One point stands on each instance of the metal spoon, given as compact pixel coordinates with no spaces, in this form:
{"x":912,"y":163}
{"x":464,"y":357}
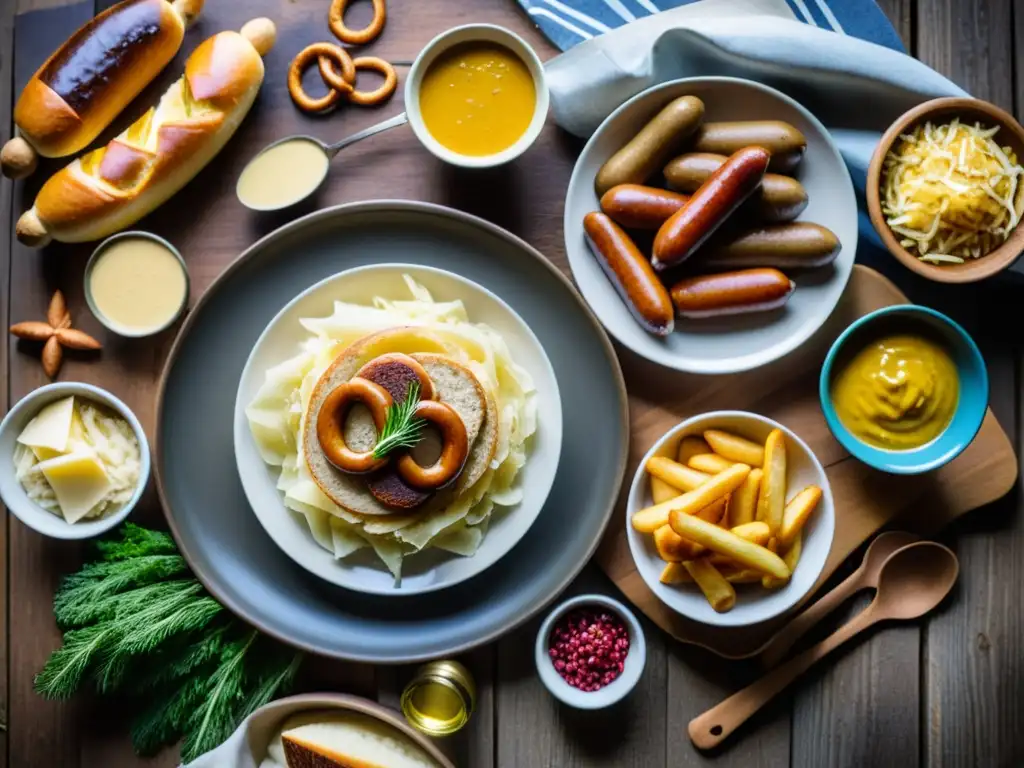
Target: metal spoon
{"x":912,"y":582}
{"x":865,"y":577}
{"x":329,"y":150}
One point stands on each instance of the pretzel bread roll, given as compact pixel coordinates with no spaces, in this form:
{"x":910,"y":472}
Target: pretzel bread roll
{"x":86,"y":83}
{"x":114,"y":186}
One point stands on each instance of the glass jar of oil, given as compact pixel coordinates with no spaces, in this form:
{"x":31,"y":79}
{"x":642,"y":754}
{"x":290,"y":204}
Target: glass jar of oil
{"x":440,"y":698}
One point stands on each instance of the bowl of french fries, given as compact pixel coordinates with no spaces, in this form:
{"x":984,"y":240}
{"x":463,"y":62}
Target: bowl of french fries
{"x":730,"y":518}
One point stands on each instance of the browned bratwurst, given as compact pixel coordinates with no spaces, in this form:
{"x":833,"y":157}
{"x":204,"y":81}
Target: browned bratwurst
{"x":731,"y":293}
{"x":709,"y":207}
{"x":784,"y":246}
{"x":630,"y":273}
{"x":639,"y":207}
{"x":657,"y":141}
{"x":780,"y":198}
{"x":785,"y":142}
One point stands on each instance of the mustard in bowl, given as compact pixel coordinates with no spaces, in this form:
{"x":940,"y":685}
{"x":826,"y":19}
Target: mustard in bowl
{"x":904,"y":389}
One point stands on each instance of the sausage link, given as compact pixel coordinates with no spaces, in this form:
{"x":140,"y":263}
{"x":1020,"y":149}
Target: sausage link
{"x":638,"y":207}
{"x":795,"y":245}
{"x":657,"y":141}
{"x":785,"y":142}
{"x":780,"y":198}
{"x":731,"y":293}
{"x":709,"y":207}
{"x":630,"y":273}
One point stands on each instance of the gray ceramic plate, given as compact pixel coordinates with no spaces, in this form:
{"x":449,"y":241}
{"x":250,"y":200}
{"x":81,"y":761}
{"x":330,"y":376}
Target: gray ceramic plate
{"x":207,"y":509}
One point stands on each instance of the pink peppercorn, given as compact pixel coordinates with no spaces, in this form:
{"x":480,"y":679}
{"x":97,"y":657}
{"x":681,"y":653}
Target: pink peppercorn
{"x":588,"y":648}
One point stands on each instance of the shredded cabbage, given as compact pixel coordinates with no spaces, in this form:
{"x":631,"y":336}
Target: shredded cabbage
{"x":275,"y":418}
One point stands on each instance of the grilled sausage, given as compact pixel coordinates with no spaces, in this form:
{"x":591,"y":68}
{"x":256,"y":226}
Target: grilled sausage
{"x":657,"y":142}
{"x":785,"y":142}
{"x":795,"y":245}
{"x":709,"y":207}
{"x":731,"y":293}
{"x":630,"y":273}
{"x":780,"y":198}
{"x":639,"y":207}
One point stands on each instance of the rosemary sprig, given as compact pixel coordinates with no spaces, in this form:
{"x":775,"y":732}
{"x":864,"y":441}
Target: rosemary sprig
{"x":137,"y":624}
{"x":401,"y":428}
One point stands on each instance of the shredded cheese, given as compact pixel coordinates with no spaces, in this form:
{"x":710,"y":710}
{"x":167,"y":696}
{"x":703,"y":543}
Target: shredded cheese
{"x":951,"y":192}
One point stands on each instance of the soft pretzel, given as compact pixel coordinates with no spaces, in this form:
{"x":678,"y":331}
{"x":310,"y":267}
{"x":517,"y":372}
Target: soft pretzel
{"x":336,"y":21}
{"x":332,"y":53}
{"x":370,"y":98}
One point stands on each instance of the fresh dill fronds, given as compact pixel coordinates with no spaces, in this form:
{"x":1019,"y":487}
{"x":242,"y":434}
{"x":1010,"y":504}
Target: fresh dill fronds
{"x":137,"y":624}
{"x":401,"y":427}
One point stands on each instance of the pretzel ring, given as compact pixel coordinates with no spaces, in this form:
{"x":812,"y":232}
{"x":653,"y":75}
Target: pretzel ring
{"x":336,"y":21}
{"x":369,"y":98}
{"x":454,"y":450}
{"x":335,"y":54}
{"x":330,"y":424}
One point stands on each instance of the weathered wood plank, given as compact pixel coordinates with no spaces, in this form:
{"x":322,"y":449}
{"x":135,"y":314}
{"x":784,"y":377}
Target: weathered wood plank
{"x":534,"y":729}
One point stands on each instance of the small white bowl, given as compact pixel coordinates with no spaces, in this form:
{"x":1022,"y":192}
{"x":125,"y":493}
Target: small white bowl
{"x":753,"y":603}
{"x":488,"y":33}
{"x":14,"y":496}
{"x":618,"y":688}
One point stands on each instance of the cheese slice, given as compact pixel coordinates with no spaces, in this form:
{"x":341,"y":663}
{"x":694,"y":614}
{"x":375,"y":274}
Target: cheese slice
{"x":79,"y":482}
{"x":47,"y":434}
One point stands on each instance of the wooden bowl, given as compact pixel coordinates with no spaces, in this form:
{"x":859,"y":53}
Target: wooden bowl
{"x":940,"y":111}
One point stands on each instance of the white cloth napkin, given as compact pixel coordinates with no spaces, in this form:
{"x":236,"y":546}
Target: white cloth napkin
{"x":857,"y":89}
{"x":233,"y":753}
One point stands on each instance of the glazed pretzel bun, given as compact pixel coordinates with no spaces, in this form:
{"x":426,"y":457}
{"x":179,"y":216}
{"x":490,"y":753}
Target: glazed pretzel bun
{"x":86,"y":83}
{"x":111,"y":188}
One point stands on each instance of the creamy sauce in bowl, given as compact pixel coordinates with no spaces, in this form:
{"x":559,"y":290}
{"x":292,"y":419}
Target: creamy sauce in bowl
{"x":136,"y":285}
{"x":477,"y":98}
{"x":282,"y":174}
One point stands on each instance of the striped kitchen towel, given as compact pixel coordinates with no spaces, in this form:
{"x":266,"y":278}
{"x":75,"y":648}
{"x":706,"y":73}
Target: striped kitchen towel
{"x":568,"y":22}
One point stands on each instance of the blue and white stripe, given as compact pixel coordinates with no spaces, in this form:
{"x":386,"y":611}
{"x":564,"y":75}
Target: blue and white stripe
{"x":568,"y":22}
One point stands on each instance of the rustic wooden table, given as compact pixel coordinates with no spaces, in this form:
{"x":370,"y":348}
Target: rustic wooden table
{"x":946,"y":692}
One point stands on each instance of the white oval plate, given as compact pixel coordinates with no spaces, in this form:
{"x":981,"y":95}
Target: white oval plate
{"x":430,"y":569}
{"x":742,"y":342}
{"x":754,"y":604}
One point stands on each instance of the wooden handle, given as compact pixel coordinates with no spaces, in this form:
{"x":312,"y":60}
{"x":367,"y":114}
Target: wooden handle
{"x":714,"y":726}
{"x":776,"y":648}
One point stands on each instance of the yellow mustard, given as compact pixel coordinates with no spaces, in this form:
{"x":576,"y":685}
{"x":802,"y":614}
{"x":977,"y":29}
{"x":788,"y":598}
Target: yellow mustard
{"x":897,"y":393}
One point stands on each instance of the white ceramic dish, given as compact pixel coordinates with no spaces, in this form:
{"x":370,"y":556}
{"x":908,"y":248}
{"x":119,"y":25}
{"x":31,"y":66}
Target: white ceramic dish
{"x":753,"y":603}
{"x":14,"y":496}
{"x":431,"y":569}
{"x":618,"y":688}
{"x":722,"y":345}
{"x":475,"y":33}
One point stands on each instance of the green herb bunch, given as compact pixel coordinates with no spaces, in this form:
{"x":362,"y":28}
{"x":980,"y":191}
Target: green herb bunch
{"x":137,"y":624}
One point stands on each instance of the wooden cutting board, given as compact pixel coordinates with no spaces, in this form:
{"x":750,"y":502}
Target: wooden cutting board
{"x":787,"y":391}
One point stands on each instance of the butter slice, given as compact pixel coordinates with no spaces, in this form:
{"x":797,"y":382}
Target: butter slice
{"x":47,"y":434}
{"x":79,"y":482}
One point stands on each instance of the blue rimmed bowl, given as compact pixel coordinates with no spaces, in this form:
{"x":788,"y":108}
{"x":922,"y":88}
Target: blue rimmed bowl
{"x":973,"y":389}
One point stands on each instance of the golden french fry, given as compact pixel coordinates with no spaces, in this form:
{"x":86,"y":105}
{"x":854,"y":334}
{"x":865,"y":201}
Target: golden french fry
{"x":755,"y":532}
{"x":673,"y":548}
{"x":662,"y":491}
{"x":797,"y":512}
{"x":772,"y":501}
{"x":714,"y":512}
{"x":716,"y":589}
{"x":674,"y":573}
{"x":743,"y":506}
{"x":675,"y":474}
{"x":650,"y":519}
{"x":711,"y":463}
{"x":691,"y":446}
{"x":726,"y":542}
{"x":746,"y":576}
{"x":735,"y":448}
{"x":790,"y":557}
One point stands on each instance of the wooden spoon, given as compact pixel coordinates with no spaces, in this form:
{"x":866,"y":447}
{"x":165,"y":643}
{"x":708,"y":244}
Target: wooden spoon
{"x":865,"y":577}
{"x":913,"y":581}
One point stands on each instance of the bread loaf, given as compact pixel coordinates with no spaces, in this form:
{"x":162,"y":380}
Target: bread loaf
{"x":86,"y":83}
{"x":111,"y":188}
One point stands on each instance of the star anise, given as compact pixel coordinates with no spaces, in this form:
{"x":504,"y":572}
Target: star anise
{"x":56,"y":332}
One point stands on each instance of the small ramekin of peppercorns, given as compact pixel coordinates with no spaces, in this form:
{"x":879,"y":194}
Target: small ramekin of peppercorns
{"x":590,"y":651}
